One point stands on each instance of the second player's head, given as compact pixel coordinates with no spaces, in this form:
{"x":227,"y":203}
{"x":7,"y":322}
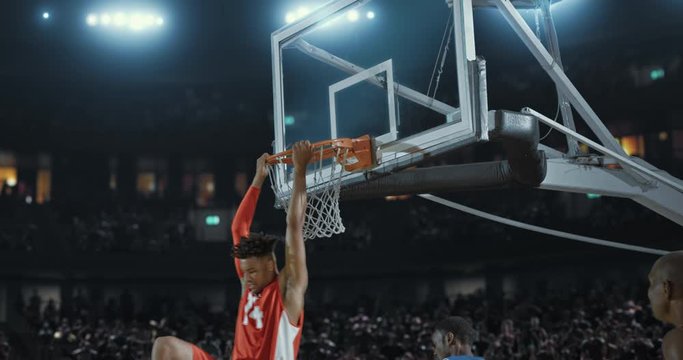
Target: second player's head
{"x":256,"y":255}
{"x":666,"y":288}
{"x":453,"y":336}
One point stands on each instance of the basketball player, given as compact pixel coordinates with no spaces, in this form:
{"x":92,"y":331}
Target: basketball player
{"x":666,"y":298}
{"x":271,"y":311}
{"x":453,"y":338}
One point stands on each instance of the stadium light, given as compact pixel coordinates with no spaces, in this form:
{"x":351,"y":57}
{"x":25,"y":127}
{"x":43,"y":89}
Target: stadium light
{"x":302,"y":11}
{"x":293,"y":16}
{"x":134,"y":21}
{"x":290,"y":17}
{"x":137,"y":22}
{"x":120,"y":19}
{"x":350,"y":16}
{"x":46,"y":15}
{"x":106,"y":19}
{"x":149,"y":20}
{"x":91,"y":20}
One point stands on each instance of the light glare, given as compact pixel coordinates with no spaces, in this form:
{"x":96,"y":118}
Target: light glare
{"x":302,"y":11}
{"x":46,"y":15}
{"x":149,"y":20}
{"x":290,"y":17}
{"x":120,"y":19}
{"x":91,"y":20}
{"x":106,"y":19}
{"x":350,"y":16}
{"x":135,"y":21}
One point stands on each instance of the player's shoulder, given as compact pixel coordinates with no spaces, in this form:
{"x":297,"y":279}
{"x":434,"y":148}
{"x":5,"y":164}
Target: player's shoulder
{"x":673,"y":344}
{"x":674,"y":334}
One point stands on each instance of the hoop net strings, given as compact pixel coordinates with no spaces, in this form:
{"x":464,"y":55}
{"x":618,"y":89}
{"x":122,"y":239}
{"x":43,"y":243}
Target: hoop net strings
{"x":323,"y":217}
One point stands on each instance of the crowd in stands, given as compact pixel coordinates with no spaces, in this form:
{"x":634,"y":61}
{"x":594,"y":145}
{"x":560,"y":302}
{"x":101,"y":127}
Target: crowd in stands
{"x":156,"y":227}
{"x":595,"y":324}
{"x":138,"y":229}
{"x":145,"y":227}
{"x":599,"y":322}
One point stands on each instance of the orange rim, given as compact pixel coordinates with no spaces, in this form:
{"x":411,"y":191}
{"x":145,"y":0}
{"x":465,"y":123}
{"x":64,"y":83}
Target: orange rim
{"x":354,"y":154}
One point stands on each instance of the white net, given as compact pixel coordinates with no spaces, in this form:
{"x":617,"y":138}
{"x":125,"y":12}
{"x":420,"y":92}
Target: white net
{"x":323,"y":218}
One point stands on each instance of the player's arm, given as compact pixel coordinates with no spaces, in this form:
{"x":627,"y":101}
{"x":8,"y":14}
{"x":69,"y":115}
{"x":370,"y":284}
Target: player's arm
{"x":241,"y":223}
{"x":295,"y":270}
{"x":673,"y":345}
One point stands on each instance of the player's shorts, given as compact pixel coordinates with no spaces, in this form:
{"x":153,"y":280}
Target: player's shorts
{"x":199,"y":354}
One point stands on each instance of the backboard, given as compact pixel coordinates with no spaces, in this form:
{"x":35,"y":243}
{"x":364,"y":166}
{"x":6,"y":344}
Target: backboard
{"x":386,"y":68}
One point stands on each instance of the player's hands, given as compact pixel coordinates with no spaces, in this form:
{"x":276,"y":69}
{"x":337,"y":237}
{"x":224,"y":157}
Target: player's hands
{"x":261,"y":170}
{"x":302,"y":152}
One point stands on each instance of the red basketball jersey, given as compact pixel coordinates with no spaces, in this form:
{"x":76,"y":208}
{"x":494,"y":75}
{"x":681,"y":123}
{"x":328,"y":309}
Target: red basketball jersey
{"x":263,"y":330}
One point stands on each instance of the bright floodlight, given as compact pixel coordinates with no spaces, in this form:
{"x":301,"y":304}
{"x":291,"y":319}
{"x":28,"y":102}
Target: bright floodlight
{"x":150,"y":20}
{"x":46,"y":15}
{"x":120,"y":19}
{"x":370,"y":15}
{"x":133,"y":21}
{"x":302,"y":11}
{"x":106,"y":19}
{"x":137,"y":22}
{"x":91,"y":20}
{"x":352,"y":15}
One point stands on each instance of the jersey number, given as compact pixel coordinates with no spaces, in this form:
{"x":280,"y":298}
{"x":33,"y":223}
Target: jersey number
{"x":253,"y":311}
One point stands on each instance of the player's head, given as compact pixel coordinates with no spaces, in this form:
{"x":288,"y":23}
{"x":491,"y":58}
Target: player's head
{"x":256,"y":254}
{"x":453,"y":336}
{"x":666,"y":285}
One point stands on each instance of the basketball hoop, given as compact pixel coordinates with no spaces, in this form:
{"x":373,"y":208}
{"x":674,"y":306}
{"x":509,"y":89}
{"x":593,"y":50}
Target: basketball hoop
{"x":323,"y":218}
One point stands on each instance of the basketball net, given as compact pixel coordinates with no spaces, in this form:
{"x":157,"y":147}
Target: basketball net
{"x":323,"y":218}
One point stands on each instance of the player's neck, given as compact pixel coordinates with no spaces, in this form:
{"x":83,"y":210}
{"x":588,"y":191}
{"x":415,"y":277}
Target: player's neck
{"x":273,"y":278}
{"x":461,"y":351}
{"x":677,"y":314}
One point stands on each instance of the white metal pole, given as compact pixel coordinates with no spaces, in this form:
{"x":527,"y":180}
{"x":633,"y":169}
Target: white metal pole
{"x":623,"y":160}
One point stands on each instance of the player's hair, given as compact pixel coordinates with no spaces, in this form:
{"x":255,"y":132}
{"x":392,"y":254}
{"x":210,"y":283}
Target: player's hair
{"x":460,"y":327}
{"x":255,"y":245}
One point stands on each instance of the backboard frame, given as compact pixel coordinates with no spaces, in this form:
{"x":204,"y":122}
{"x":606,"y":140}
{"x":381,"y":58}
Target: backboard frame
{"x":464,"y":125}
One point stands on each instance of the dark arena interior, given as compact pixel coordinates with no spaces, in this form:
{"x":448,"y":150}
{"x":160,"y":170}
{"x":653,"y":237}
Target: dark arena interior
{"x":130,"y":133}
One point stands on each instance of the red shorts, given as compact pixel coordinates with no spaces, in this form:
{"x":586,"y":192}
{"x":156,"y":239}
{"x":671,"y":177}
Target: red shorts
{"x":199,"y":354}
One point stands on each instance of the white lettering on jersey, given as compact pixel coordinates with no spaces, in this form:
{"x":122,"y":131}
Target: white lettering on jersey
{"x":255,"y":314}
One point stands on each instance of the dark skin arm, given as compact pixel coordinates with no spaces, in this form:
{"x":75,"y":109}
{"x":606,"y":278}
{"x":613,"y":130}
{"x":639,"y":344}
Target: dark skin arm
{"x":243,"y":218}
{"x":294,"y":278}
